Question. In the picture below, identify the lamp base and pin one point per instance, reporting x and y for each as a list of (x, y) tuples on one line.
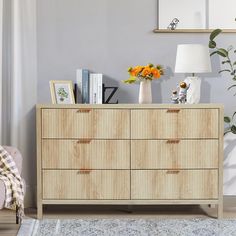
[(194, 91)]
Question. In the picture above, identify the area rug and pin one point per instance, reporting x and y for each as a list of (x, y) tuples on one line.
[(128, 227)]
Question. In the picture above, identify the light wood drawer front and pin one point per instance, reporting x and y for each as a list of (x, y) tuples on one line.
[(167, 184), (86, 123), (174, 154), (97, 184), (174, 123), (85, 154)]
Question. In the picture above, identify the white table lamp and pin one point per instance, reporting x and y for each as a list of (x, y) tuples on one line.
[(193, 58)]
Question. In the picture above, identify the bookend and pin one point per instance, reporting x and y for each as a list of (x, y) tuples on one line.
[(104, 91)]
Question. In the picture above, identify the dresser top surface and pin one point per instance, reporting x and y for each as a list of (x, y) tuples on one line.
[(132, 106)]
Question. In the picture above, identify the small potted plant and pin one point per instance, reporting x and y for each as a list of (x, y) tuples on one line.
[(144, 75)]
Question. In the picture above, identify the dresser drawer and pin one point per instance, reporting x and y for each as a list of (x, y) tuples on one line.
[(174, 123), (167, 184), (85, 154), (86, 123), (174, 154), (92, 185)]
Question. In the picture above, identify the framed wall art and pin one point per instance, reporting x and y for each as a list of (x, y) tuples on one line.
[(196, 16)]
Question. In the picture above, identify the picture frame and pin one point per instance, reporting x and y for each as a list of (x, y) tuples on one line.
[(62, 92)]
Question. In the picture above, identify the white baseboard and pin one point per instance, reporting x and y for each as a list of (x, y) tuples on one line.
[(229, 201)]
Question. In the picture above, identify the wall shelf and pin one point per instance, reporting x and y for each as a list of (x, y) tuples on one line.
[(191, 31)]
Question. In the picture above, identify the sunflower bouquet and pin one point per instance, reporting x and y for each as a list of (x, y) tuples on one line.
[(141, 73)]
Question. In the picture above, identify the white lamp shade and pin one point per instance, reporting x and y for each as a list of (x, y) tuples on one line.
[(192, 58)]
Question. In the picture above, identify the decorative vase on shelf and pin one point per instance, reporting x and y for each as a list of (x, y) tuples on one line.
[(145, 92)]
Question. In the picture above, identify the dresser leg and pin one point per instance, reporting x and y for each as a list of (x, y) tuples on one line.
[(220, 211), (40, 211)]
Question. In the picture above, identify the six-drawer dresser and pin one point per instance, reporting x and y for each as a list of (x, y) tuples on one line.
[(129, 154)]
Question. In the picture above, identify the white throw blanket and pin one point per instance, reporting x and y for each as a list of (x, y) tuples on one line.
[(11, 178)]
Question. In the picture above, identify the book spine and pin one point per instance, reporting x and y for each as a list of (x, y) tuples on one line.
[(85, 86), (78, 86), (95, 88), (91, 83), (99, 89)]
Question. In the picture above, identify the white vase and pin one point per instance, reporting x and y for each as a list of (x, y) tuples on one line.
[(145, 92), (194, 91)]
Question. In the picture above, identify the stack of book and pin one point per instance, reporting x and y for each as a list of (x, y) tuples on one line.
[(88, 87)]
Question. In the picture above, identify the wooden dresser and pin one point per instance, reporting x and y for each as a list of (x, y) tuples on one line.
[(129, 154)]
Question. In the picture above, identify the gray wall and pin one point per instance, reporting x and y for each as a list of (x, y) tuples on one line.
[(108, 36)]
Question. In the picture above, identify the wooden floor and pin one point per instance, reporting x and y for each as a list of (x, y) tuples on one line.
[(137, 212)]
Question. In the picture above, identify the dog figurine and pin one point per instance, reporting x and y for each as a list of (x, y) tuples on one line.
[(173, 24)]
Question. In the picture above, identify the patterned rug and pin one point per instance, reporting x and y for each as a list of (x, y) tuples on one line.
[(128, 227)]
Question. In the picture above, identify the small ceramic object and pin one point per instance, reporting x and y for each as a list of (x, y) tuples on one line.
[(175, 97), (194, 92)]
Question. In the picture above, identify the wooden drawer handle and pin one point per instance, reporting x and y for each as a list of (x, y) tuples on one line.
[(84, 110), (84, 141), (173, 141), (172, 172), (173, 110), (84, 171)]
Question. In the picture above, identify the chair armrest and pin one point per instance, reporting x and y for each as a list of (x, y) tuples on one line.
[(15, 153)]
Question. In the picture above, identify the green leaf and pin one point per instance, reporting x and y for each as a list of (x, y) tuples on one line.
[(232, 86), (227, 131), (224, 62), (222, 52), (150, 65), (129, 69), (230, 48), (131, 80), (215, 52), (234, 78), (233, 115), (212, 44), (227, 119), (234, 63), (215, 33), (233, 129), (226, 70)]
